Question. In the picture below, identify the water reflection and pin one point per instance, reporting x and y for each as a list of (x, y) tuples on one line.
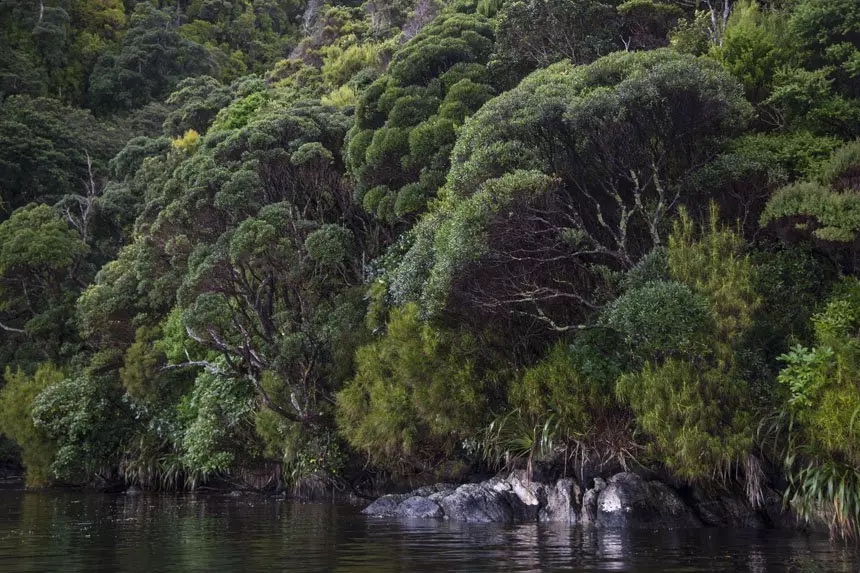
[(95, 533)]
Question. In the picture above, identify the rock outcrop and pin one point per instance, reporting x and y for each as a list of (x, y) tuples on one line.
[(629, 501), (624, 500)]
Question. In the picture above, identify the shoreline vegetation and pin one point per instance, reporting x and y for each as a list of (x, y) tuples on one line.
[(360, 247)]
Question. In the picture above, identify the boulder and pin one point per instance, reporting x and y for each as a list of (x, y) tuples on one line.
[(478, 503), (418, 507), (562, 502), (726, 510), (589, 502), (628, 501), (523, 498), (780, 516), (385, 506)]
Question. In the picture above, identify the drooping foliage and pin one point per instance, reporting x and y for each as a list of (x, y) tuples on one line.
[(569, 176)]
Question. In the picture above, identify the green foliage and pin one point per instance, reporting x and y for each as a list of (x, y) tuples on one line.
[(219, 411), (83, 415), (693, 415), (660, 318), (532, 35), (16, 420), (405, 125), (754, 47), (417, 391), (824, 404), (574, 383), (715, 266), (530, 168), (40, 258), (692, 35), (328, 230), (44, 147), (824, 381), (154, 57), (689, 395), (828, 210)]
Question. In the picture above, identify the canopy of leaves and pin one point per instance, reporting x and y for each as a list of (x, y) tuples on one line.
[(406, 120), (572, 172)]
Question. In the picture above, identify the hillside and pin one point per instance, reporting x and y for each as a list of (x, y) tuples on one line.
[(277, 242)]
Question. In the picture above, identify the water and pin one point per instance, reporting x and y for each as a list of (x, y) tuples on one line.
[(85, 532)]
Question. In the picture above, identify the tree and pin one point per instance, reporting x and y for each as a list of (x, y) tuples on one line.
[(16, 420), (406, 121), (153, 58), (39, 260), (536, 33), (48, 149), (828, 209), (563, 179)]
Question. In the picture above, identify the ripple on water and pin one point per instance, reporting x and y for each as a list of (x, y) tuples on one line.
[(70, 532)]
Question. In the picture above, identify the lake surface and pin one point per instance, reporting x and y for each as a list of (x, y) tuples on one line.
[(85, 532)]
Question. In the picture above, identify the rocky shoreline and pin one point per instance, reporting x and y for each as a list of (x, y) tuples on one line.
[(624, 500)]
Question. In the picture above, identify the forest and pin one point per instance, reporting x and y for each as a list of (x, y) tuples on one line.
[(349, 243)]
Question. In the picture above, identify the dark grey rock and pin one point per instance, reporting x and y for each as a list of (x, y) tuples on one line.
[(726, 509), (780, 516), (630, 501), (441, 494), (418, 507), (478, 502), (525, 495), (385, 506), (589, 502), (562, 502)]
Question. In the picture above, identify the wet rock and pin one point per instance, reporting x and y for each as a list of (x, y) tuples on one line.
[(630, 501), (418, 507), (726, 510), (561, 502), (780, 516), (523, 497), (385, 506), (589, 502), (478, 503), (442, 493)]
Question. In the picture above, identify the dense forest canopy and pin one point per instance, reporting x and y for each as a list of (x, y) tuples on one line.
[(345, 242)]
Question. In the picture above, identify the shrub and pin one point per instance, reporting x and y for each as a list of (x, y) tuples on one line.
[(16, 420), (417, 391)]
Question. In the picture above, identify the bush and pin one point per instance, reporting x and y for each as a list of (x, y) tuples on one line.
[(417, 392), (16, 420), (660, 319), (572, 382), (694, 414)]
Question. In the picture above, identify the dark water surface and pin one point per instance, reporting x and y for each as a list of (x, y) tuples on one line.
[(71, 532)]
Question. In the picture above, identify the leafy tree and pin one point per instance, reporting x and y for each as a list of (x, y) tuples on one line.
[(153, 59), (533, 34), (16, 420), (573, 385), (406, 120), (568, 176), (690, 396), (827, 209), (48, 149), (823, 403), (83, 415), (39, 259)]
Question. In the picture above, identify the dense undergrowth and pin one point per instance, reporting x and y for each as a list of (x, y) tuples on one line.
[(263, 241)]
